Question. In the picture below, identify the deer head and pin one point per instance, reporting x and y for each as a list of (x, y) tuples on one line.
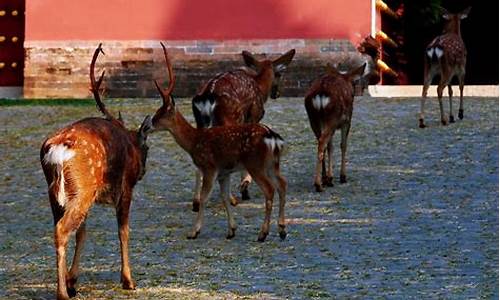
[(453, 20), (138, 136), (351, 76), (277, 67), (164, 118)]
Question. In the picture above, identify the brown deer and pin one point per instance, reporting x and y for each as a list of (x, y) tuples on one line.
[(238, 97), (329, 104), (446, 56), (219, 151), (92, 160)]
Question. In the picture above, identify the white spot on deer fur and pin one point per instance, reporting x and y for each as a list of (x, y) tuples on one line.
[(84, 142), (92, 171), (73, 129), (320, 102), (99, 164)]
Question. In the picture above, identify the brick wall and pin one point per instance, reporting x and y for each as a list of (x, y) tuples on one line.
[(59, 69)]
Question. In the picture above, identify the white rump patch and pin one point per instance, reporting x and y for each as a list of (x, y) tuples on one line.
[(206, 108), (57, 155), (430, 52), (320, 102), (270, 142), (273, 143), (439, 52)]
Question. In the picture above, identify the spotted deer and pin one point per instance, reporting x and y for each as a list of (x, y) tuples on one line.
[(219, 151), (238, 97), (92, 160), (446, 56), (329, 103)]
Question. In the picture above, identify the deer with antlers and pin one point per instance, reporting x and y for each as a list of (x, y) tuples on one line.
[(219, 151), (92, 160), (238, 97), (329, 104), (446, 56)]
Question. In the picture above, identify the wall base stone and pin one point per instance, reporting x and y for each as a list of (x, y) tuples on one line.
[(59, 69)]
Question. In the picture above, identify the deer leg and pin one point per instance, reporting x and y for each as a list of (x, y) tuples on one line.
[(246, 179), (266, 185), (225, 183), (206, 188), (343, 147), (328, 180), (81, 233), (322, 143), (69, 222), (425, 89), (281, 185), (461, 81), (450, 95), (197, 190), (440, 89), (122, 215)]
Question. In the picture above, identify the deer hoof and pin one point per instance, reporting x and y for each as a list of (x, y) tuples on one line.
[(71, 291), (452, 119), (128, 284), (421, 123), (343, 179), (282, 234), (244, 194), (231, 234), (196, 205), (460, 114), (262, 237), (318, 187), (233, 200), (444, 122), (327, 181), (193, 235)]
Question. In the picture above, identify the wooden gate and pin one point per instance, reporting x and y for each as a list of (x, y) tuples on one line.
[(11, 42)]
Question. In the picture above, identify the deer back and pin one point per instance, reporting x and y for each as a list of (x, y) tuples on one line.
[(230, 98), (96, 155)]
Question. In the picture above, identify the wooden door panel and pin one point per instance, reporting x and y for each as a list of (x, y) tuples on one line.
[(11, 42)]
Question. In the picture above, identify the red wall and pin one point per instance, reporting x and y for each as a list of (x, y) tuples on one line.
[(196, 19)]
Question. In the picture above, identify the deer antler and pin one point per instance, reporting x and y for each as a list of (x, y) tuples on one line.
[(94, 86), (171, 76)]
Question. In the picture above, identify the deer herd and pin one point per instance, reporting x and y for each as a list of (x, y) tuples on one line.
[(99, 160)]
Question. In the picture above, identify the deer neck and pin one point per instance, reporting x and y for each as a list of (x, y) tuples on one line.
[(265, 80), (453, 27), (184, 133)]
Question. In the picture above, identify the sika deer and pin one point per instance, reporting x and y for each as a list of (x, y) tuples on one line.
[(238, 97), (446, 56), (92, 160), (329, 104), (219, 151)]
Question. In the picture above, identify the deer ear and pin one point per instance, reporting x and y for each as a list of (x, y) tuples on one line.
[(444, 13), (283, 61), (355, 74), (250, 60), (146, 126), (464, 13)]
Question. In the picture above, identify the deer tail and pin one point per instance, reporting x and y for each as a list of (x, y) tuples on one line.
[(56, 156)]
